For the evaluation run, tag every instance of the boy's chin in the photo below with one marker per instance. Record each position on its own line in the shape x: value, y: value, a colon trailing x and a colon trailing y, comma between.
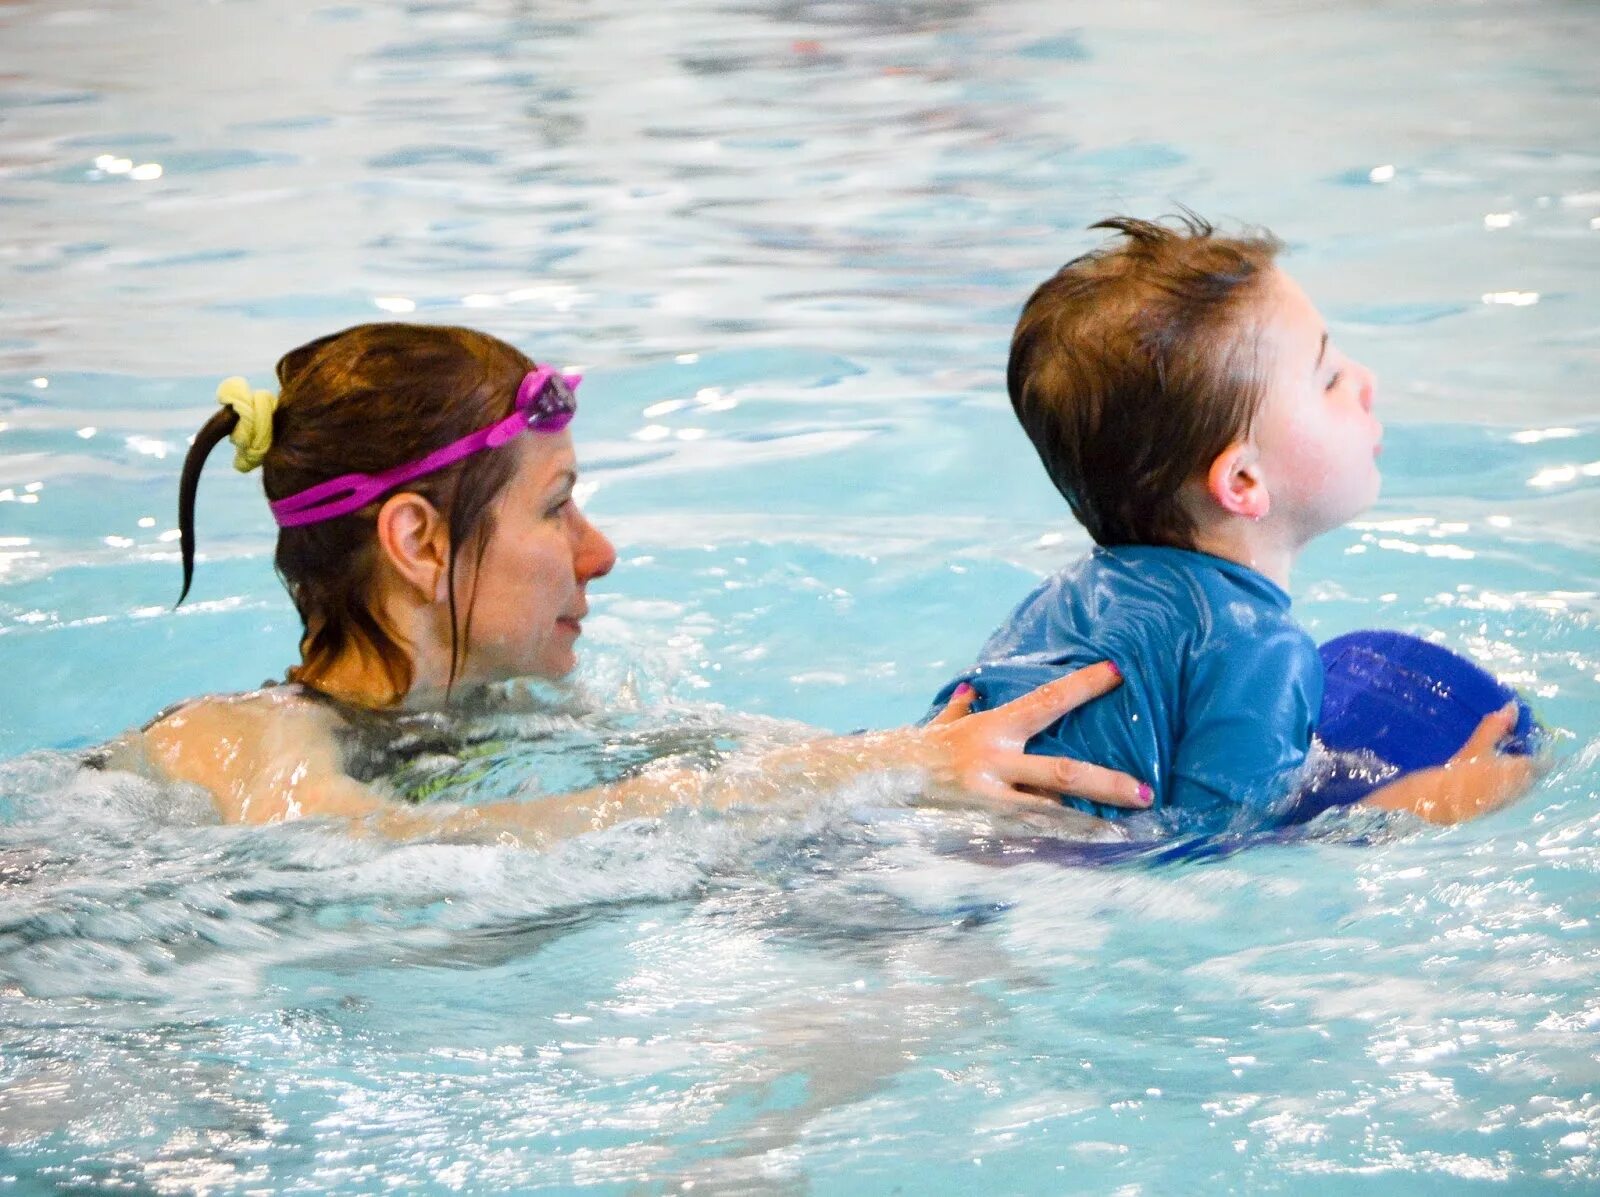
x: 1372, y: 496
x: 1365, y: 502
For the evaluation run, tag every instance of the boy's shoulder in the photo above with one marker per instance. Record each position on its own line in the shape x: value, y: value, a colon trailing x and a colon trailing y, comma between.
x: 1125, y: 598
x: 1172, y: 581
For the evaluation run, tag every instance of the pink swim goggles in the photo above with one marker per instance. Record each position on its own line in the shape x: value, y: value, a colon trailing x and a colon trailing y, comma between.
x: 545, y: 403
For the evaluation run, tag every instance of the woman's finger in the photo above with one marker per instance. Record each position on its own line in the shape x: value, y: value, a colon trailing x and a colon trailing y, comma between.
x: 1009, y: 798
x: 1078, y: 779
x: 1039, y: 708
x: 960, y: 703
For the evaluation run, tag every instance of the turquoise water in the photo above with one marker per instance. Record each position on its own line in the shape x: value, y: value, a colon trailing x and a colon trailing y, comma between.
x: 787, y: 242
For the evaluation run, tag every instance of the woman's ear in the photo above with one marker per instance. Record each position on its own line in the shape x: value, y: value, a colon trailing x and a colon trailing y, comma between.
x: 1236, y: 484
x: 414, y: 537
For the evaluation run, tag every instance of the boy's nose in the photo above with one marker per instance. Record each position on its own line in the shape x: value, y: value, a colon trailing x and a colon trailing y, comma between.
x: 1369, y: 388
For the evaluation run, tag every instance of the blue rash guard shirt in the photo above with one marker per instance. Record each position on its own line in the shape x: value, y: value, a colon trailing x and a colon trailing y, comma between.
x: 1221, y: 687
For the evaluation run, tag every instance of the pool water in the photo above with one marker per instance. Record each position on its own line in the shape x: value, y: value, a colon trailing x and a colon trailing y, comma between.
x: 786, y: 241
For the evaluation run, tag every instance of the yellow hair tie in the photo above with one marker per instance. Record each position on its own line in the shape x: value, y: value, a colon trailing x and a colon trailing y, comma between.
x: 252, y: 435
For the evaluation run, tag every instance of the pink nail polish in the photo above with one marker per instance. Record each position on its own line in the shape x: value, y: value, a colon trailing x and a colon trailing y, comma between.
x: 1146, y: 795
x: 961, y: 691
x: 1115, y: 670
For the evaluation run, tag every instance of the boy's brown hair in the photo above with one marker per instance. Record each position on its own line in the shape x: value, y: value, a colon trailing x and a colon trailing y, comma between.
x: 1135, y: 365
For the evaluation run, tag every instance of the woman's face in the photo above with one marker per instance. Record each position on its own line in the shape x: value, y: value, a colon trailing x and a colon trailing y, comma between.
x: 523, y: 601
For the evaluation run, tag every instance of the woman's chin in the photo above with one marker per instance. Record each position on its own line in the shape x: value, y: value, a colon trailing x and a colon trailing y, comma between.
x: 552, y: 665
x: 556, y: 665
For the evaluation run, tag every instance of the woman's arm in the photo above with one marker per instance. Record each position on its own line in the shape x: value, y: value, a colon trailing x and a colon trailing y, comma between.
x: 1478, y: 779
x: 962, y: 760
x: 270, y: 761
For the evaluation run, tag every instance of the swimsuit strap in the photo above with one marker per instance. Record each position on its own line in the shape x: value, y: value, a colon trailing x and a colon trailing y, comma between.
x: 375, y: 745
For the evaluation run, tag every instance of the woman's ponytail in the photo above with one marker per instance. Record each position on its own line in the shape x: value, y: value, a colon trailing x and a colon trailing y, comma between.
x: 216, y: 430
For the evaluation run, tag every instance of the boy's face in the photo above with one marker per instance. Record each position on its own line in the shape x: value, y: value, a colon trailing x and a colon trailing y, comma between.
x: 1316, y: 439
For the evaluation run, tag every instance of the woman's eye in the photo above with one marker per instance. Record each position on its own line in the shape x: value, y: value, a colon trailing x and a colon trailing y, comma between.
x: 1333, y: 380
x: 559, y: 508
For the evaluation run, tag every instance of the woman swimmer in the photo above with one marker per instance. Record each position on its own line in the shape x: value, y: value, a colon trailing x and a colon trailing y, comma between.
x: 422, y: 479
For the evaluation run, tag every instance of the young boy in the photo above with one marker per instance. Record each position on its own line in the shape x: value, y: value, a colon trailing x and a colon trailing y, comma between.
x: 1185, y: 398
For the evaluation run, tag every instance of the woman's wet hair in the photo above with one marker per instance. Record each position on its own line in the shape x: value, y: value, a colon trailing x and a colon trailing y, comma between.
x: 1136, y: 364
x: 363, y: 401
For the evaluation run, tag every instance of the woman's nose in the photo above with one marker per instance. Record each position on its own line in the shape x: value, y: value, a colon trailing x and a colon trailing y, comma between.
x: 595, y: 554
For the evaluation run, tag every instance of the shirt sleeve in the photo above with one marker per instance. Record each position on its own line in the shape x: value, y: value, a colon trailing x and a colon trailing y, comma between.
x: 1251, y: 705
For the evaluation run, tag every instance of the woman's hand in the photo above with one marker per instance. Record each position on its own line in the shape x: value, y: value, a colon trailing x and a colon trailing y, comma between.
x: 982, y: 755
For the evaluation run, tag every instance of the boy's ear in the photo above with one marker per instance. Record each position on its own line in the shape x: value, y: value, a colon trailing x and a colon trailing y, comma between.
x: 1236, y: 484
x: 415, y: 538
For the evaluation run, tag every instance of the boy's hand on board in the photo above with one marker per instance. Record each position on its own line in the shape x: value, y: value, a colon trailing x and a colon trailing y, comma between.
x: 1478, y: 779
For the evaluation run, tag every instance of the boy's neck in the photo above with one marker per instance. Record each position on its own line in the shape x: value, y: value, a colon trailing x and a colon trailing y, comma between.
x: 1249, y: 543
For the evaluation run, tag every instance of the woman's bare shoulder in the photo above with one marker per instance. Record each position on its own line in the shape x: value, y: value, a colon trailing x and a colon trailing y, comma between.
x: 252, y: 751
x: 268, y: 698
x: 211, y: 719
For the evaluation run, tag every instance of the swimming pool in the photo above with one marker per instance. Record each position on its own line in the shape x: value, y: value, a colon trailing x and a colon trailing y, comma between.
x: 787, y: 241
